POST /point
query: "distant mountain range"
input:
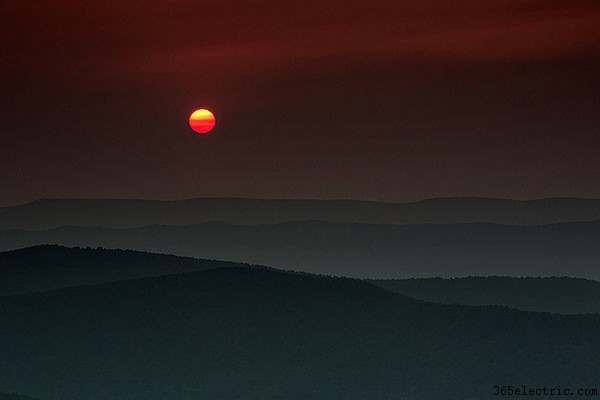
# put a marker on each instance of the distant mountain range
(255, 333)
(557, 295)
(358, 250)
(54, 213)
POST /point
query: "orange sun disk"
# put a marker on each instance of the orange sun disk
(202, 121)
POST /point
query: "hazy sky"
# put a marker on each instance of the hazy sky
(393, 100)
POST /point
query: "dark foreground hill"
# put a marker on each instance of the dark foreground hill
(50, 267)
(115, 213)
(14, 396)
(359, 250)
(555, 294)
(250, 333)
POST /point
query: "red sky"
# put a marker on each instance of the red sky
(322, 99)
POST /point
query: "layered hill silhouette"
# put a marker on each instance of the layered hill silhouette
(555, 294)
(41, 268)
(115, 213)
(232, 333)
(358, 250)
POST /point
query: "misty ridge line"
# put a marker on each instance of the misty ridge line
(46, 268)
(318, 222)
(357, 250)
(300, 199)
(98, 265)
(325, 237)
(315, 222)
(381, 285)
(123, 213)
(64, 253)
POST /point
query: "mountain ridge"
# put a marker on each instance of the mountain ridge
(48, 267)
(358, 250)
(129, 213)
(563, 295)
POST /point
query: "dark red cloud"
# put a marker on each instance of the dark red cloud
(111, 40)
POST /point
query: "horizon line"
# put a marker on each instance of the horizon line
(299, 199)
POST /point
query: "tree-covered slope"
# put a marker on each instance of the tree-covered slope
(251, 333)
(49, 267)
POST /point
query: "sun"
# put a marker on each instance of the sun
(202, 121)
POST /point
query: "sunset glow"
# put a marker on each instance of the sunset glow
(202, 121)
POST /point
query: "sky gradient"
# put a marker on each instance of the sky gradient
(375, 99)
